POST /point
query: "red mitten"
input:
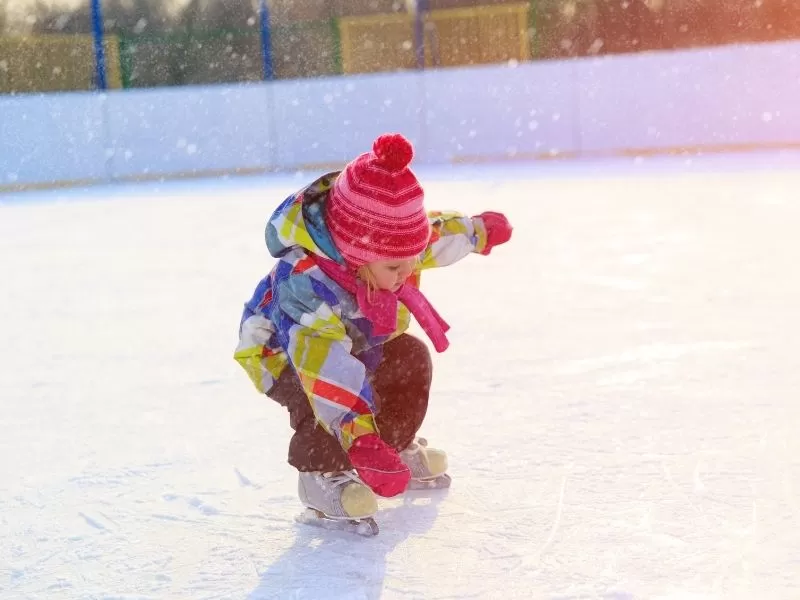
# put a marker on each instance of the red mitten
(379, 466)
(498, 230)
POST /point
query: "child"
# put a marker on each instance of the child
(323, 334)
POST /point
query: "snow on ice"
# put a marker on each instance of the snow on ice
(619, 403)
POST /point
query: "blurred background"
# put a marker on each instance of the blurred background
(66, 45)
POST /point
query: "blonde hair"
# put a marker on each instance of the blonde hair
(365, 275)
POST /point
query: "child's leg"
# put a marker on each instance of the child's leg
(317, 454)
(402, 384)
(311, 447)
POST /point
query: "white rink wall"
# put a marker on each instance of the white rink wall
(725, 98)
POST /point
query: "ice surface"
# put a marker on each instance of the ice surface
(619, 403)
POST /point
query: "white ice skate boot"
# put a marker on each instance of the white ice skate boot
(337, 501)
(428, 466)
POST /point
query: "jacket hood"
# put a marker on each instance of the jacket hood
(300, 222)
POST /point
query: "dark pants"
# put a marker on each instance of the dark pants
(401, 385)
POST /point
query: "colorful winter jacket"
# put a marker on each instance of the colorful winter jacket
(300, 318)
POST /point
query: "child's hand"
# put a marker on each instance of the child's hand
(498, 230)
(379, 466)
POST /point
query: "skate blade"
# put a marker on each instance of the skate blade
(366, 527)
(442, 482)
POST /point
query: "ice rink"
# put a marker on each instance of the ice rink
(620, 402)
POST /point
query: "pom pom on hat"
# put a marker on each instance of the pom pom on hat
(393, 151)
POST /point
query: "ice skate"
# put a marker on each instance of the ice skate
(428, 466)
(337, 501)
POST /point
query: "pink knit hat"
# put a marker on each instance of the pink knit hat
(375, 209)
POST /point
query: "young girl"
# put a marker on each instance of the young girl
(323, 334)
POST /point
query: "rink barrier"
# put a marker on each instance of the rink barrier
(725, 99)
(630, 153)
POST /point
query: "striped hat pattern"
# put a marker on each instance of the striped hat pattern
(375, 208)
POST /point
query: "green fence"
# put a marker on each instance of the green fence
(308, 49)
(313, 38)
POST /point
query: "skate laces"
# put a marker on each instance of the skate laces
(341, 478)
(415, 446)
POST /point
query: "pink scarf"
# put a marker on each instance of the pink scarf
(381, 307)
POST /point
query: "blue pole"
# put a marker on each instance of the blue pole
(266, 40)
(99, 50)
(419, 32)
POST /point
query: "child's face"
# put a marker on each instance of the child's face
(391, 274)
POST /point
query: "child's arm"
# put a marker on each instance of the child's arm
(454, 236)
(318, 348)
